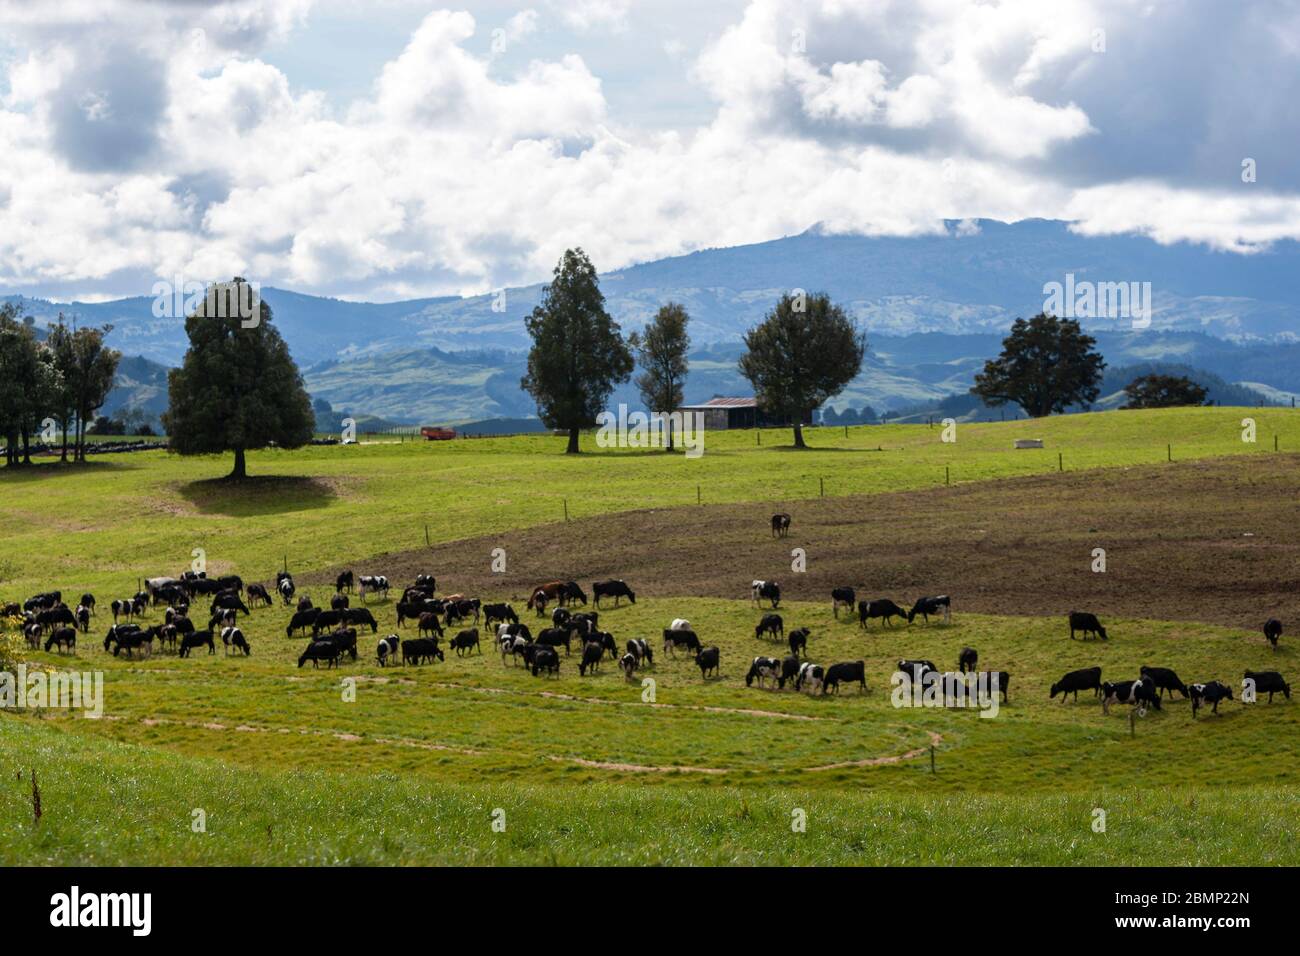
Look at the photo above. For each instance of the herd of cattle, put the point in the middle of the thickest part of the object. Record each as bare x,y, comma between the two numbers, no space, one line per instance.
333,634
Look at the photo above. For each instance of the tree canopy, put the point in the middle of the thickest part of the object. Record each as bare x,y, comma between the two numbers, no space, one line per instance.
1163,391
804,352
238,388
578,352
662,352
1047,364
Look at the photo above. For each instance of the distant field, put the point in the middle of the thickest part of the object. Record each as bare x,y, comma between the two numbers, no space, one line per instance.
103,525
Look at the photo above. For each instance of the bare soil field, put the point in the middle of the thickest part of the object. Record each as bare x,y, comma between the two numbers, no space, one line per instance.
1216,541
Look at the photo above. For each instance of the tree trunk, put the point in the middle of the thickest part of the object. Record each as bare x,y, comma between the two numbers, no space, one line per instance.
798,435
27,447
573,442
240,471
64,456
668,425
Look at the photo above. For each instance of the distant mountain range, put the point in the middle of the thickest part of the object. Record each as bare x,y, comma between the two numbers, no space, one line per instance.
934,308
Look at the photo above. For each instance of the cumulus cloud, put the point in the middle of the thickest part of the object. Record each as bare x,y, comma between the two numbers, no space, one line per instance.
152,138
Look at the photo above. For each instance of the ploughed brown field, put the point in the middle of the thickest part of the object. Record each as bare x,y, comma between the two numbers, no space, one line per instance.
1216,541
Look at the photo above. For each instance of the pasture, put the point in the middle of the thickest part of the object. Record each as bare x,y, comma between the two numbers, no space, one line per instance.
370,764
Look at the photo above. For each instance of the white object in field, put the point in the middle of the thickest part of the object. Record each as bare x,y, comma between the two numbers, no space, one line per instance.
1029,443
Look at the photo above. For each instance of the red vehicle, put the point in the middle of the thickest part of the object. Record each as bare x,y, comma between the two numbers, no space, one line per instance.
433,433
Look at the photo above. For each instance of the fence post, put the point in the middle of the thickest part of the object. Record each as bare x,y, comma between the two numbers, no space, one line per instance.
947,477
566,509
426,536
1275,443
931,758
699,499
1060,461
822,481
1169,449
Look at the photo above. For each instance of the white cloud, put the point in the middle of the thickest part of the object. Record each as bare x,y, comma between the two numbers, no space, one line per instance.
456,174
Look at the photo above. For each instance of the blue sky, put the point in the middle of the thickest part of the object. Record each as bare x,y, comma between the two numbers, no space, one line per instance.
400,148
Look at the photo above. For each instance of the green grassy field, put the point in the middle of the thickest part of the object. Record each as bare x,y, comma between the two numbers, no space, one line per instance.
406,765
105,524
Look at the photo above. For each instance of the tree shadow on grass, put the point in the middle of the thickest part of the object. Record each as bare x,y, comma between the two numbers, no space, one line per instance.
43,470
263,495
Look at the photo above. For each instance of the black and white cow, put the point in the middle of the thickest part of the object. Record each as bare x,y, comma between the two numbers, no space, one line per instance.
387,649
772,625
916,670
763,669
641,650
780,525
1210,692
765,591
811,676
285,587
931,605
1087,623
234,637
628,663
375,583
1140,693
1088,678
842,597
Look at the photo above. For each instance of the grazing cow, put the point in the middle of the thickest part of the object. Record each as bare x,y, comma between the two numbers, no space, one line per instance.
561,616
83,618
916,670
555,636
707,659
64,637
765,591
318,651
563,592
615,589
58,616
167,635
545,659
810,674
421,649
304,603
118,633
1087,623
499,612
325,619
1211,692
427,583
125,608
763,668
1164,679
88,601
585,622
344,582
606,641
1272,631
136,640
345,639
538,601
967,659
1003,679
11,610
360,615
680,624
628,663
226,618
414,610
461,610
32,632
1140,693
234,637
302,620
789,671
229,601
518,630
43,601
466,641
258,594
339,602
198,639
884,609
799,641
285,586
183,625
931,605
842,597
373,582
592,654
674,638
848,671
780,525
641,650
1089,678
429,624
1269,682
770,624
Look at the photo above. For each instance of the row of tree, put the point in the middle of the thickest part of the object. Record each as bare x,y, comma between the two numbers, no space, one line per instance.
50,386
804,352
